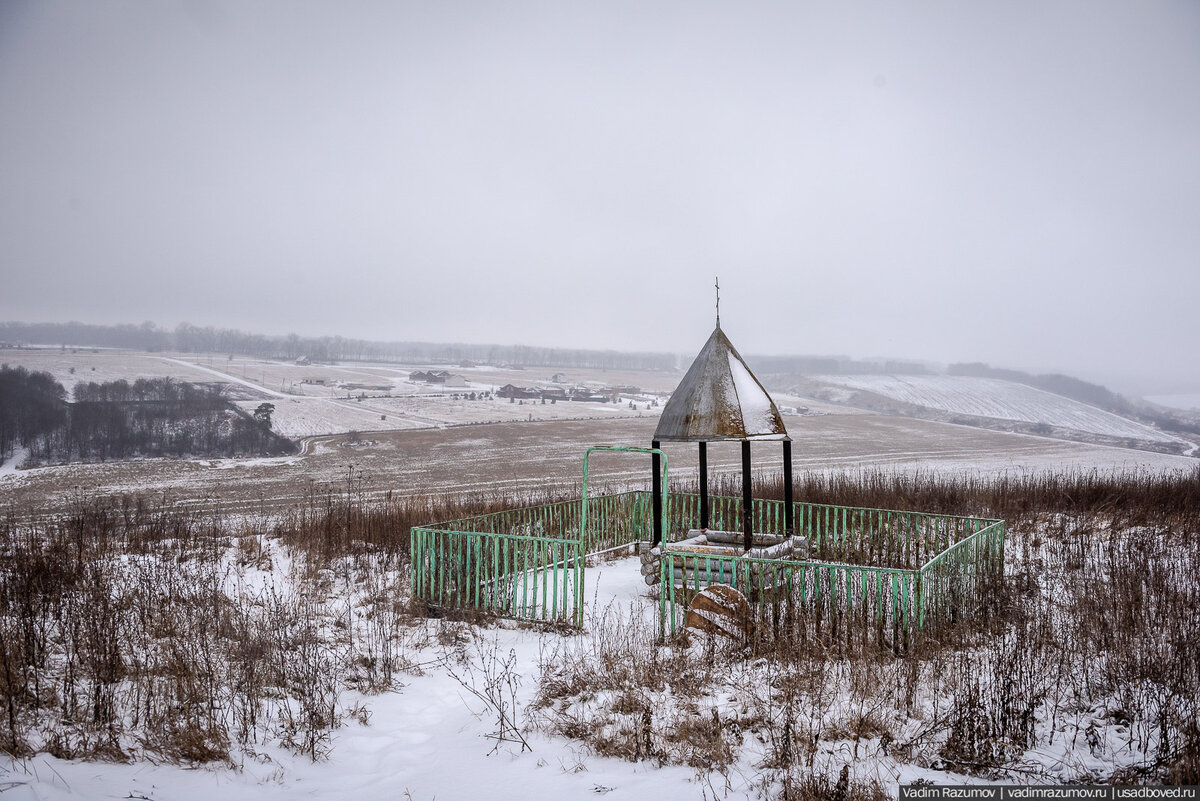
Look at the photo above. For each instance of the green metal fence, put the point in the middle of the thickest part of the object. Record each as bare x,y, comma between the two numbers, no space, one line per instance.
523,563
953,582
792,598
876,537
526,577
871,573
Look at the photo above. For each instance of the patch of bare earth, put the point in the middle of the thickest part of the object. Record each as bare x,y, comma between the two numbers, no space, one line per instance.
515,457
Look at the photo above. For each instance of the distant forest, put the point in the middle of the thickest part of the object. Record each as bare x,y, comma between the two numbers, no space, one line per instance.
118,420
836,365
189,338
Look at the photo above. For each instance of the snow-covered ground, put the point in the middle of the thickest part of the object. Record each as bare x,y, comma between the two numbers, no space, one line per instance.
429,739
425,740
1000,400
314,416
322,399
12,463
515,457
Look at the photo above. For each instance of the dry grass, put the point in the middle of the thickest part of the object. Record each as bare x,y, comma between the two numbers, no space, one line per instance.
1092,637
130,627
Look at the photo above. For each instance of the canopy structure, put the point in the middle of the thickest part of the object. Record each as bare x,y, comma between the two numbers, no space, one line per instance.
720,399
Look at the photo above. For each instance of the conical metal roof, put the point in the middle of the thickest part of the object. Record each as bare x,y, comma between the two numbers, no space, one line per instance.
719,399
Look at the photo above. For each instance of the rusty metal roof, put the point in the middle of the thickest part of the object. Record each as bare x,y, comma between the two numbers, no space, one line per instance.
719,399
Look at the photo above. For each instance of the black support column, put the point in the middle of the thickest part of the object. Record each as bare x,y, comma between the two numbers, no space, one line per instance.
747,498
656,492
703,485
788,523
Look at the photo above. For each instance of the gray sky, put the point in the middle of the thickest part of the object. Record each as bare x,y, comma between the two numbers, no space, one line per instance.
1012,182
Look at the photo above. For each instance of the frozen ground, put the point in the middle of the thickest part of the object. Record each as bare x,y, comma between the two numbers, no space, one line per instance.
999,400
414,439
428,739
317,400
518,457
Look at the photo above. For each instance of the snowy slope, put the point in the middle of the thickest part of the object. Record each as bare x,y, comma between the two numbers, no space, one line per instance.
998,399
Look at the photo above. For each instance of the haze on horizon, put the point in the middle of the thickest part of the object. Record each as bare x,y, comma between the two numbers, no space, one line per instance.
1015,183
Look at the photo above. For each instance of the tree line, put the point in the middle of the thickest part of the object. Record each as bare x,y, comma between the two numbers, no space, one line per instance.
188,338
119,420
31,404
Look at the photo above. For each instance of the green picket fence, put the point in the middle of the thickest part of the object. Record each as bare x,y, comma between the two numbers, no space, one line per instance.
872,575
519,576
953,581
870,570
523,563
792,598
876,537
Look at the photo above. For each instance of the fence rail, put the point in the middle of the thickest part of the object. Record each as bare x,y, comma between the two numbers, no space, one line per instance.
954,581
513,575
877,572
790,598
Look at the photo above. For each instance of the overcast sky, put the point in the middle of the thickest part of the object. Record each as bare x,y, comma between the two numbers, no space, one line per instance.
1011,182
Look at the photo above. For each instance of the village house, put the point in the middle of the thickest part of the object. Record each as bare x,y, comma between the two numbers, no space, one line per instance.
512,391
588,395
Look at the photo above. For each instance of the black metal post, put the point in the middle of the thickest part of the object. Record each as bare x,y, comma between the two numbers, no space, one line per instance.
787,488
747,498
703,485
656,492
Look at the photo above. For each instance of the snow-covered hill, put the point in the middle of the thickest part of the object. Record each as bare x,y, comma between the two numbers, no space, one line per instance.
995,399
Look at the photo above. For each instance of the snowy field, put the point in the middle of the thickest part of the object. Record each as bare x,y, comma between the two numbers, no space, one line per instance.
426,740
516,457
414,439
431,735
429,738
318,400
1000,400
314,416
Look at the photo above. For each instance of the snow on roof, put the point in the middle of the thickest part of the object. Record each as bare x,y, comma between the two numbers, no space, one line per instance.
719,399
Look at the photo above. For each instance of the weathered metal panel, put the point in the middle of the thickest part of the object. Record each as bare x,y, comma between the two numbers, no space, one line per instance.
719,399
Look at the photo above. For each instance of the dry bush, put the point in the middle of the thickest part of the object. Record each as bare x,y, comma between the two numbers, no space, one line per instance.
1090,636
123,630
814,786
126,627
343,521
490,676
